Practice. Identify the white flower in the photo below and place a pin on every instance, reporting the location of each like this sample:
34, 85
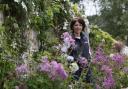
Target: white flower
70, 58
64, 49
125, 50
67, 42
74, 67
111, 55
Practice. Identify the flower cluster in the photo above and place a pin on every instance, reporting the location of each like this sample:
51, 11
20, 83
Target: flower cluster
22, 69
106, 69
105, 65
100, 57
68, 42
53, 69
118, 58
108, 82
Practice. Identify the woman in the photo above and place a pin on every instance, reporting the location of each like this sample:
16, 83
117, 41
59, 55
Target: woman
81, 47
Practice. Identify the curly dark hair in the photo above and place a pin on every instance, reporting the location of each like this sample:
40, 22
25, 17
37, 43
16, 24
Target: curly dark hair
80, 20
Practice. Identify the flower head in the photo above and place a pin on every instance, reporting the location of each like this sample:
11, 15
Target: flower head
53, 69
106, 69
68, 42
44, 67
61, 72
118, 58
100, 56
108, 83
74, 67
22, 69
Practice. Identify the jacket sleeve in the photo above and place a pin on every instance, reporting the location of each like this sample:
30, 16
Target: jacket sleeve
87, 35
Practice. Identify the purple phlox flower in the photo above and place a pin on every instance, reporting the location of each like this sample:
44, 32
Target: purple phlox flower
83, 62
100, 56
22, 69
106, 69
57, 70
72, 41
65, 34
118, 58
53, 70
108, 82
125, 70
61, 72
44, 67
54, 65
68, 40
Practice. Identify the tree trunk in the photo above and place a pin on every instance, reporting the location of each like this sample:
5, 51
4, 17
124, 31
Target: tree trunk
1, 17
127, 41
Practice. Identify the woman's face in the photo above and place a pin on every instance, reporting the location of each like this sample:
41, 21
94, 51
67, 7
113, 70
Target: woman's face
77, 27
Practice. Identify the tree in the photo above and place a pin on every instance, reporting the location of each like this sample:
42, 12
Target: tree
114, 17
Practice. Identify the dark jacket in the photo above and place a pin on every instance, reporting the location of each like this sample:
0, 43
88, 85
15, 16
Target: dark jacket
82, 47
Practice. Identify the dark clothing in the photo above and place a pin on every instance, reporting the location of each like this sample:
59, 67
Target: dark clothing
81, 50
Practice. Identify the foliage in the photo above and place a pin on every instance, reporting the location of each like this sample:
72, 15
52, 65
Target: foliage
44, 17
109, 69
20, 69
113, 17
97, 36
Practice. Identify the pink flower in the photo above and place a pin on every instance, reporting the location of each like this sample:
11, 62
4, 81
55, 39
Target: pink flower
44, 67
65, 34
53, 69
68, 40
57, 71
100, 57
118, 58
22, 69
109, 83
61, 72
106, 69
